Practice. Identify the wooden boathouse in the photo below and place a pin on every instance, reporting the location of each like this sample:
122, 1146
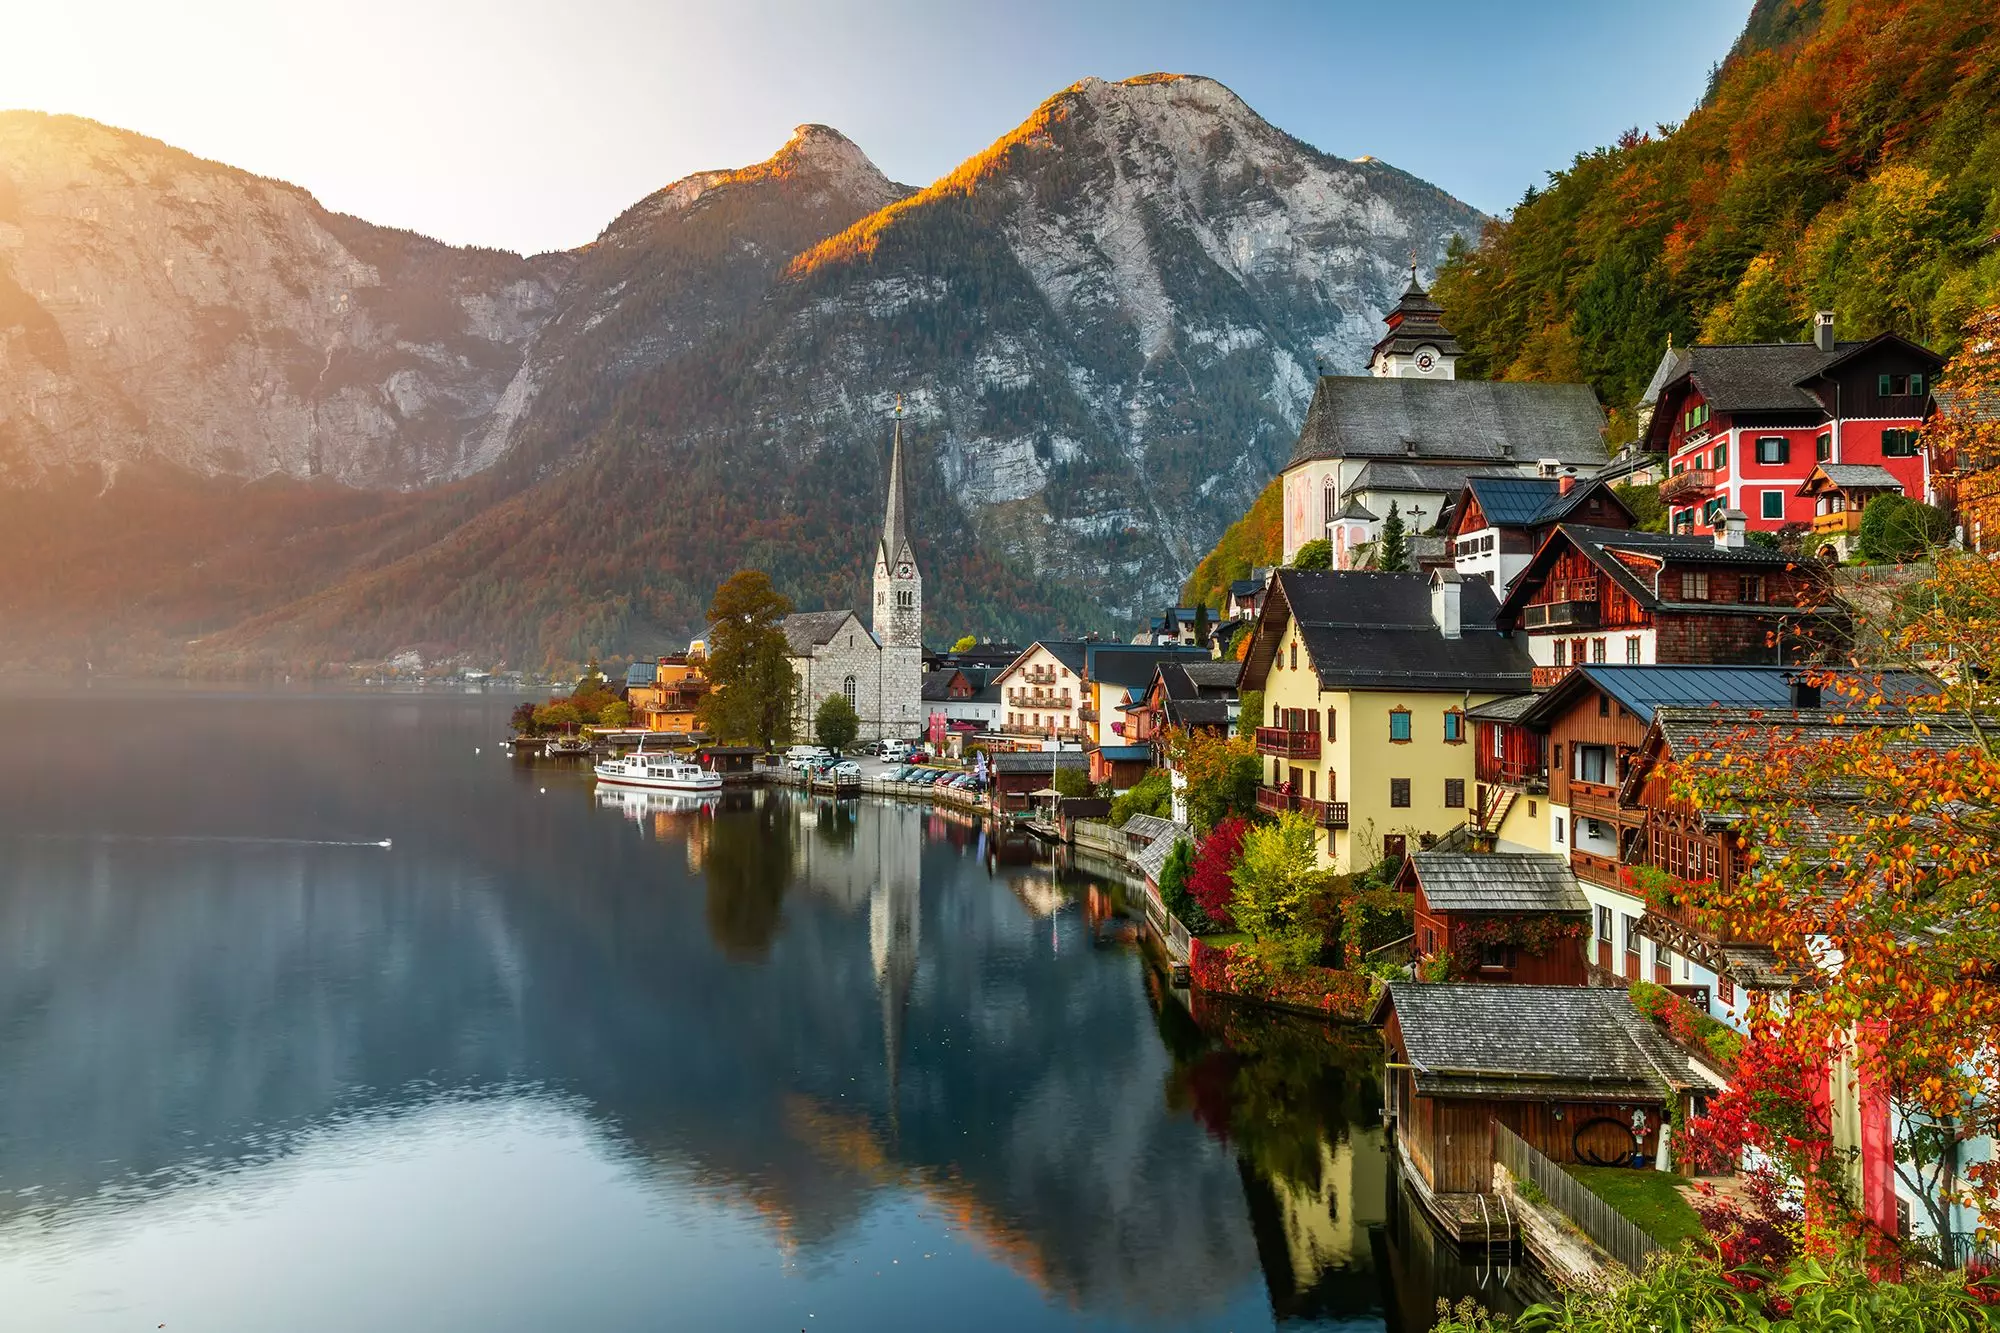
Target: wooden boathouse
1576, 1071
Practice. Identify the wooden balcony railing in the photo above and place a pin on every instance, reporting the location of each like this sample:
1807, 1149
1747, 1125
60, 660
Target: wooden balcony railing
1595, 797
1283, 744
1326, 814
1532, 776
1694, 484
1542, 677
1596, 868
1836, 523
1571, 604
1086, 714
1274, 802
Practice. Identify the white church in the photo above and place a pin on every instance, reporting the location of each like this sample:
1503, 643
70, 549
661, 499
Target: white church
879, 669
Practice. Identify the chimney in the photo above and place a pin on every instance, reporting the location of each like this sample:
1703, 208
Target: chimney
1823, 330
1567, 482
1444, 602
1730, 532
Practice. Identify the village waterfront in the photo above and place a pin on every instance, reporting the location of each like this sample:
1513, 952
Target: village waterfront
321, 1013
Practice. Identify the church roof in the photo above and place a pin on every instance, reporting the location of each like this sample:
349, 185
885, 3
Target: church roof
1456, 421
806, 630
1416, 321
896, 547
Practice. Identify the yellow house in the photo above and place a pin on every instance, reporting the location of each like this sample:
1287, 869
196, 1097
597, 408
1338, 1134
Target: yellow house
664, 699
1367, 678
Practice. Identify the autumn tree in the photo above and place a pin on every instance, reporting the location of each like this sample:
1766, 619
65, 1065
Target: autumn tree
749, 663
1873, 840
1221, 772
1278, 884
965, 644
1314, 556
1211, 881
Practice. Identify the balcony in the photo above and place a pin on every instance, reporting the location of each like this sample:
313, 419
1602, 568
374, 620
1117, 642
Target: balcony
1542, 677
1840, 522
1694, 484
1594, 798
1086, 714
1597, 869
1283, 744
1323, 814
1040, 733
1327, 814
1565, 604
1525, 774
1274, 802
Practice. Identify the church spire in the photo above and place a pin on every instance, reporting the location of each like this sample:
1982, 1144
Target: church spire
896, 549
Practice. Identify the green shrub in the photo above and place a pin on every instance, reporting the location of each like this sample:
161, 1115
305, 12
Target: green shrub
1895, 528
1151, 795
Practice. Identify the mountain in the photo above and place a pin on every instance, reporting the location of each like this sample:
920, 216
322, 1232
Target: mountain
1104, 329
1846, 157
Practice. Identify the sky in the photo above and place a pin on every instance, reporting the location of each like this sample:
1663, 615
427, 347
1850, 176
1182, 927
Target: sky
529, 125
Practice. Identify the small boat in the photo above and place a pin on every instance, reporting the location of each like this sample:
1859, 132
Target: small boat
658, 772
570, 745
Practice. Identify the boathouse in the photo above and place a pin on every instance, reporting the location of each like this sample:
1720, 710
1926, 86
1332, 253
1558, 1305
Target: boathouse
1500, 916
1576, 1071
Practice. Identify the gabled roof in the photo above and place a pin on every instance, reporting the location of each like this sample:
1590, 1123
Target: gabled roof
1132, 664
1246, 587
1396, 475
1069, 652
1497, 882
1849, 477
1212, 674
1196, 712
1039, 761
1469, 421
1641, 690
641, 674
1684, 731
1471, 1039
1369, 630
937, 684
1602, 546
1148, 828
1761, 377
806, 630
1511, 501
1507, 709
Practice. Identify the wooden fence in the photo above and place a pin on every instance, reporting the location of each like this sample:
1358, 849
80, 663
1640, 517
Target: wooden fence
1616, 1234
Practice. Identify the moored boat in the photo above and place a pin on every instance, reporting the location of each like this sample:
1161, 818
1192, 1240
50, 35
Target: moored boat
657, 772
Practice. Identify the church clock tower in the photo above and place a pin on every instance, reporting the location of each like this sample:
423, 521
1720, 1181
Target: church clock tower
899, 588
1418, 346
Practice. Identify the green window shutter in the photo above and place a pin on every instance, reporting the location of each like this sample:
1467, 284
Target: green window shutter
1882, 385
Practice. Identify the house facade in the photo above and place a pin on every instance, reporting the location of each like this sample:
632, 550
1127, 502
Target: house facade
1041, 696
665, 694
1367, 678
1499, 917
1742, 426
1501, 520
1602, 596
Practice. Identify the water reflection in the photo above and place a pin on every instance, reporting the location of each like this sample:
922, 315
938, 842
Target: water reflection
730, 1057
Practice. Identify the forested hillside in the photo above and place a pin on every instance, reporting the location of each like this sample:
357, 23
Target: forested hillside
1847, 157
1256, 539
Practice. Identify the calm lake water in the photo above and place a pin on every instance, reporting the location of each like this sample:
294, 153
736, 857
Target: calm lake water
553, 1059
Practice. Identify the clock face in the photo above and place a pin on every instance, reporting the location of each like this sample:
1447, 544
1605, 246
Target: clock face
905, 571
1427, 358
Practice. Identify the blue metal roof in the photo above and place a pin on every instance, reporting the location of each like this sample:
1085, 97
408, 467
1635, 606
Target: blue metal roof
640, 673
1511, 502
1124, 754
1641, 689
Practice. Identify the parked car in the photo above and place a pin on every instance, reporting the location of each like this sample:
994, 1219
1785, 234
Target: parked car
846, 768
798, 752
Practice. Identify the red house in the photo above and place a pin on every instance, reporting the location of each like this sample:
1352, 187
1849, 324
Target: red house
1743, 425
1513, 917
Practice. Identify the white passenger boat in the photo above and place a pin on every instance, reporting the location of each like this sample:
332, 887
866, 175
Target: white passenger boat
658, 772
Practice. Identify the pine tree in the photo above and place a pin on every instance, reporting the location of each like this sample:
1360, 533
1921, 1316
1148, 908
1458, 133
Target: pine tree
1201, 624
1392, 553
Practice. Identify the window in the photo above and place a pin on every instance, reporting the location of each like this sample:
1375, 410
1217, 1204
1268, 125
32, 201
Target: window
1899, 444
1561, 650
1399, 793
1454, 793
1725, 990
1823, 447
1773, 449
1632, 649
1773, 505
1597, 649
1893, 386
1694, 586
1454, 728
1329, 724
1662, 955
1603, 704
1394, 847
1295, 657
1630, 924
1399, 726
1430, 940
1711, 511
905, 598
1499, 742
1561, 839
1750, 588
1721, 455
847, 688
1557, 754
1604, 923
1695, 416
1916, 386
1493, 955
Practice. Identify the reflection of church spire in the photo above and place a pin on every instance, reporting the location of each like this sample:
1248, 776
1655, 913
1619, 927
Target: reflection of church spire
894, 932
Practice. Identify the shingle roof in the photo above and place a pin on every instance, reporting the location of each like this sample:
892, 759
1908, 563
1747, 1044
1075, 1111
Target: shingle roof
1039, 761
1759, 377
1386, 475
1197, 712
1368, 630
1357, 512
1599, 544
1132, 665
806, 630
1640, 690
1152, 858
1498, 882
1145, 828
937, 684
1855, 476
1508, 709
1246, 587
1472, 421
1479, 1040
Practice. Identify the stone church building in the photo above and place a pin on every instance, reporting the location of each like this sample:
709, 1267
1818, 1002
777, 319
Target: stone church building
880, 668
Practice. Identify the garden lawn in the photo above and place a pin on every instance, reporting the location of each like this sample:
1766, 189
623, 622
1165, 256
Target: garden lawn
1652, 1199
1223, 939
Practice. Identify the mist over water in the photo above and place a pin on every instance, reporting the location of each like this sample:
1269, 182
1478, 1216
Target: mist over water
553, 1058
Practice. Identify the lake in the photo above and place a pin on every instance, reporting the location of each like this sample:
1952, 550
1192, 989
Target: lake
559, 1059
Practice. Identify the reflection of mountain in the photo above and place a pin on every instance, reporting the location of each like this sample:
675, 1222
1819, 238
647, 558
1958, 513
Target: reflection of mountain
170, 1009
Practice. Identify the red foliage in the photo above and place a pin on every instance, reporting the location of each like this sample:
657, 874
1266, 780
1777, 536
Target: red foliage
1210, 884
1238, 971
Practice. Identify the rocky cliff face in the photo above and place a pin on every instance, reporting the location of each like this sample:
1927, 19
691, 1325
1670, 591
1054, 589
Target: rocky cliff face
156, 307
1105, 328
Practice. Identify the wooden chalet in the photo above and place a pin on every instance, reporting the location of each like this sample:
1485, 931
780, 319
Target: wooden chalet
1185, 695
1839, 493
1576, 1071
1600, 595
1499, 916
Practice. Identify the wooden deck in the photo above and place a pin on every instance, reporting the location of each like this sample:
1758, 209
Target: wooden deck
1474, 1220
